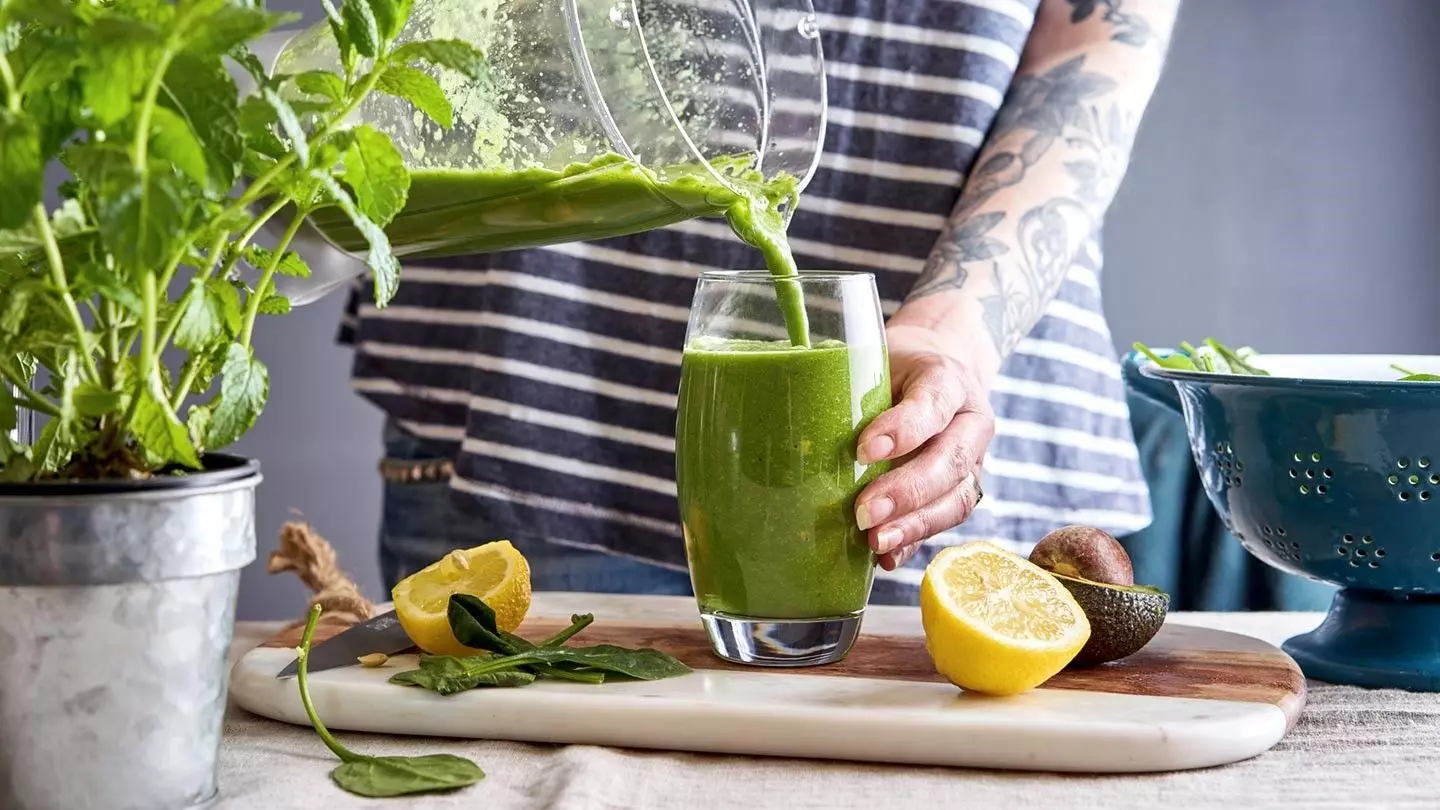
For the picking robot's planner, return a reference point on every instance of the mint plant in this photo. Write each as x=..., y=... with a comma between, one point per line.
x=172, y=175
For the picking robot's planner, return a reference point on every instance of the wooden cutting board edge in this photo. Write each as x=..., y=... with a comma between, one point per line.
x=1182, y=661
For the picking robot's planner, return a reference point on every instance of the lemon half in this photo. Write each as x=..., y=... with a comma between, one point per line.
x=496, y=572
x=995, y=622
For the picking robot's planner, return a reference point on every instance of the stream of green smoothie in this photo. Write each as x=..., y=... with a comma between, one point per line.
x=455, y=212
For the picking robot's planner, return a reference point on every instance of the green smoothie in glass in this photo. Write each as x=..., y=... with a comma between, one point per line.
x=768, y=481
x=766, y=466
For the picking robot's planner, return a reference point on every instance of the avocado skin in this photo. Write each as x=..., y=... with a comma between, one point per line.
x=1122, y=619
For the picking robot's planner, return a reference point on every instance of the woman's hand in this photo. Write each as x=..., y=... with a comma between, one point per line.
x=936, y=433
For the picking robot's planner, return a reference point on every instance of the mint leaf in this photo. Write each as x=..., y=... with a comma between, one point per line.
x=94, y=278
x=93, y=401
x=455, y=54
x=19, y=240
x=227, y=300
x=41, y=60
x=390, y=16
x=203, y=93
x=244, y=388
x=290, y=264
x=16, y=305
x=275, y=304
x=340, y=32
x=376, y=171
x=320, y=83
x=360, y=26
x=141, y=215
x=256, y=116
x=289, y=123
x=22, y=170
x=202, y=322
x=159, y=430
x=380, y=260
x=54, y=109
x=230, y=24
x=197, y=424
x=172, y=139
x=9, y=413
x=420, y=89
x=118, y=66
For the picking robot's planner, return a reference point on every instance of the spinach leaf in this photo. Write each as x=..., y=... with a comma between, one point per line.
x=384, y=777
x=642, y=664
x=447, y=674
x=379, y=777
x=473, y=624
x=1414, y=376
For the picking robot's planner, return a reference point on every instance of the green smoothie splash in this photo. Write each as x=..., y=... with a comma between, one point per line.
x=451, y=212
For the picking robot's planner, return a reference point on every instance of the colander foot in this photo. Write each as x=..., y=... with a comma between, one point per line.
x=1374, y=640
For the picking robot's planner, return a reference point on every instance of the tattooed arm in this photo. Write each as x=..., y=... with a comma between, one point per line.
x=1048, y=172
x=1039, y=189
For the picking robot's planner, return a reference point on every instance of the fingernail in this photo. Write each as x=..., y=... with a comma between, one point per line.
x=872, y=513
x=877, y=449
x=888, y=540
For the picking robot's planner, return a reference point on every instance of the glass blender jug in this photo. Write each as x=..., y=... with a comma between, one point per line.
x=599, y=118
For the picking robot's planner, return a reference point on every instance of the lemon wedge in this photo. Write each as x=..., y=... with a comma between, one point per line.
x=995, y=622
x=496, y=572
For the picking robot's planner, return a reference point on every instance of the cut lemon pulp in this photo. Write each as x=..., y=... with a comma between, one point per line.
x=496, y=572
x=995, y=622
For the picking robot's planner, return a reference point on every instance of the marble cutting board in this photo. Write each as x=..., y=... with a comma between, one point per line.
x=1193, y=698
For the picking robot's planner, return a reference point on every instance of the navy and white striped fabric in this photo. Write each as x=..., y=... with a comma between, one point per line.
x=552, y=374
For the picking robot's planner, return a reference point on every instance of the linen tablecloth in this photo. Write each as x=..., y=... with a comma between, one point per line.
x=1353, y=748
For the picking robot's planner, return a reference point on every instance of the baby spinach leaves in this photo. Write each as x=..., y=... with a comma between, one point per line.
x=1216, y=357
x=509, y=660
x=381, y=777
x=1213, y=356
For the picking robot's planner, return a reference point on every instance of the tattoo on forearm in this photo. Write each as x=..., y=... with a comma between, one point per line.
x=1131, y=29
x=1058, y=106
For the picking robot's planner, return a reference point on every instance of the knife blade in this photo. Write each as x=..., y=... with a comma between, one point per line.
x=382, y=634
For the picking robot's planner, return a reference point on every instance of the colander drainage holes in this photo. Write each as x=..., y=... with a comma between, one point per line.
x=1280, y=531
x=1435, y=557
x=1424, y=462
x=1402, y=462
x=1349, y=538
x=1404, y=496
x=1367, y=539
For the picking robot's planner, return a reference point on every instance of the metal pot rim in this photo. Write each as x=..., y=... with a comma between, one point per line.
x=221, y=470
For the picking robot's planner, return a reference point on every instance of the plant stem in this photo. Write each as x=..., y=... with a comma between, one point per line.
x=34, y=401
x=345, y=754
x=57, y=275
x=257, y=189
x=12, y=91
x=140, y=150
x=147, y=351
x=238, y=248
x=262, y=288
x=112, y=342
x=577, y=623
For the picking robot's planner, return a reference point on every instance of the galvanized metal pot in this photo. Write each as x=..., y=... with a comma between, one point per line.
x=117, y=607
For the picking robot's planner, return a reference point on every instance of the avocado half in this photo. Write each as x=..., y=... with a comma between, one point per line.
x=1123, y=618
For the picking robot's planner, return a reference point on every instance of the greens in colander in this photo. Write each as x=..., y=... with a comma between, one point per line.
x=1215, y=357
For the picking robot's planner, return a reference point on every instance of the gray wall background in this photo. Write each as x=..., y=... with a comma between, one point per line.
x=1283, y=194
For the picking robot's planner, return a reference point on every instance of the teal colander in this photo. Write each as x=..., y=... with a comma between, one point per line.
x=1329, y=469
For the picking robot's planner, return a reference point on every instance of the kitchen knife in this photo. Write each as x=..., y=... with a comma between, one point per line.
x=382, y=634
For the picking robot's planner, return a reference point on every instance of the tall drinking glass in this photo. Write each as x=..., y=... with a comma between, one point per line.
x=766, y=465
